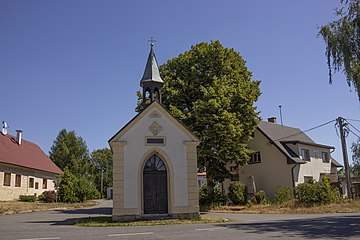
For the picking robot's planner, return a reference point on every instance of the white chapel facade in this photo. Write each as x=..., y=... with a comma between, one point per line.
x=154, y=159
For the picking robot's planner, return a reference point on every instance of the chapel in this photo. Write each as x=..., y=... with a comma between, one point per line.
x=154, y=159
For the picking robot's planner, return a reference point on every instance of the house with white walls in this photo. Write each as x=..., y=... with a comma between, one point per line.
x=284, y=156
x=24, y=167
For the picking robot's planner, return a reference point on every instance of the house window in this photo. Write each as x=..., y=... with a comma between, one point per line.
x=7, y=179
x=316, y=154
x=44, y=183
x=305, y=154
x=255, y=158
x=36, y=185
x=18, y=180
x=308, y=179
x=31, y=183
x=325, y=157
x=234, y=171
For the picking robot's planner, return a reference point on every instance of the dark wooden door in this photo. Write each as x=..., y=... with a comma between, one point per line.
x=155, y=186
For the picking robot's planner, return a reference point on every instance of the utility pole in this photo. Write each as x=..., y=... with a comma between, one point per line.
x=340, y=121
x=102, y=183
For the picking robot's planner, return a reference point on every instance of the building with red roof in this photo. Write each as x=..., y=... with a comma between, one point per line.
x=24, y=168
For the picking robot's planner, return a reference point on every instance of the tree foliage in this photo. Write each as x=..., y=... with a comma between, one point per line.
x=101, y=159
x=210, y=90
x=85, y=189
x=355, y=167
x=67, y=187
x=70, y=151
x=342, y=39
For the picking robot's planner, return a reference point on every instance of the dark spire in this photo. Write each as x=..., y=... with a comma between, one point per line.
x=151, y=73
x=151, y=81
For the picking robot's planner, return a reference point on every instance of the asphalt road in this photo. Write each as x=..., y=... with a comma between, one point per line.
x=53, y=225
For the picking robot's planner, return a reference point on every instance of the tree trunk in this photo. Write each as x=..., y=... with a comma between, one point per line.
x=209, y=179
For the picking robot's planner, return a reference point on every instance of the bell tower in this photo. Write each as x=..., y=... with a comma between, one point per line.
x=151, y=81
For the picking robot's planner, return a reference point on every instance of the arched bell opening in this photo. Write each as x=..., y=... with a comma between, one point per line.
x=157, y=94
x=147, y=96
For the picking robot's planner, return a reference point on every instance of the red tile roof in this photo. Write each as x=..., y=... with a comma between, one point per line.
x=27, y=154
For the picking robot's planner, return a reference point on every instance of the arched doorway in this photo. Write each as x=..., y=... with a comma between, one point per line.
x=155, y=186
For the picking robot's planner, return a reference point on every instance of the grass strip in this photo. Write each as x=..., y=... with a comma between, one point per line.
x=13, y=207
x=107, y=222
x=345, y=206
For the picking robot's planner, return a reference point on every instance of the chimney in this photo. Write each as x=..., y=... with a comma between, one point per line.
x=272, y=119
x=18, y=136
x=4, y=128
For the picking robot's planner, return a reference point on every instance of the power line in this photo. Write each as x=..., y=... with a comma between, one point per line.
x=354, y=133
x=353, y=126
x=310, y=129
x=354, y=120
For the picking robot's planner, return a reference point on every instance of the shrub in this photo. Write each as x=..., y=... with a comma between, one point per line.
x=237, y=194
x=214, y=199
x=48, y=196
x=75, y=189
x=260, y=198
x=85, y=189
x=308, y=194
x=27, y=198
x=67, y=187
x=249, y=203
x=332, y=194
x=283, y=194
x=315, y=193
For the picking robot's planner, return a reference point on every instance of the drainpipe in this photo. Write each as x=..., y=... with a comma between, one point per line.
x=292, y=174
x=293, y=181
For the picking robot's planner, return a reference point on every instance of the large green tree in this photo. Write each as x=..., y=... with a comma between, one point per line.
x=102, y=161
x=342, y=39
x=355, y=167
x=69, y=150
x=210, y=89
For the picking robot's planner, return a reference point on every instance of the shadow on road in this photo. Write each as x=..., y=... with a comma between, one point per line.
x=89, y=211
x=72, y=221
x=70, y=216
x=334, y=227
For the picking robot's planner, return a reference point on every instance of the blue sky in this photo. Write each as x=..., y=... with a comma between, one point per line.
x=76, y=64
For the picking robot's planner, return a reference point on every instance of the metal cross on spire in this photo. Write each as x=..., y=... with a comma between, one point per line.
x=151, y=40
